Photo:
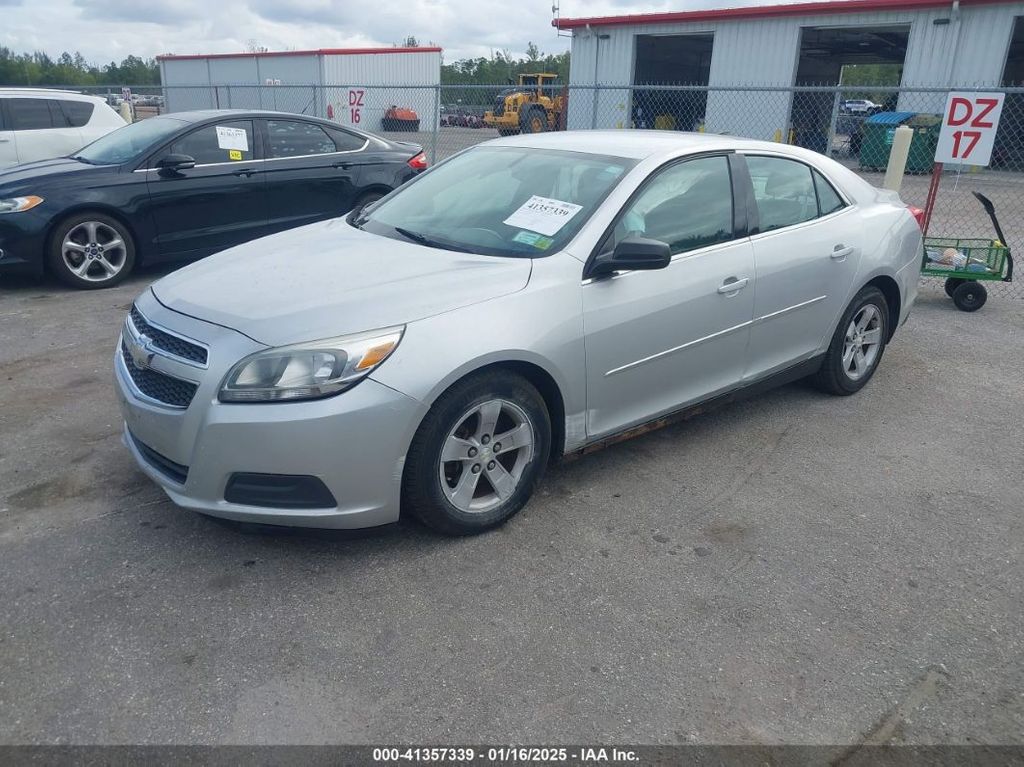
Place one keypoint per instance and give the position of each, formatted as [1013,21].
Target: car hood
[42,170]
[331,279]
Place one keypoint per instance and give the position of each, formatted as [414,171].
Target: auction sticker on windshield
[232,138]
[543,215]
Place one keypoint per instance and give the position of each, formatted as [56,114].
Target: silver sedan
[528,298]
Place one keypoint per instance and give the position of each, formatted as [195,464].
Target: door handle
[733,285]
[342,165]
[841,251]
[244,172]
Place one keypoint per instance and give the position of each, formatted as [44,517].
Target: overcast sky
[105,30]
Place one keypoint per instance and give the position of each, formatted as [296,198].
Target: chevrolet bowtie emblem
[141,351]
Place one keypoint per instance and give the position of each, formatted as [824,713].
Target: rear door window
[230,141]
[784,191]
[30,114]
[76,114]
[291,138]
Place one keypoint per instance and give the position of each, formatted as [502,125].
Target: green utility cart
[966,262]
[879,130]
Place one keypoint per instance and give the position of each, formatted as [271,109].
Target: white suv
[37,124]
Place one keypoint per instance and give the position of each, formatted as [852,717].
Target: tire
[842,371]
[457,497]
[970,296]
[82,251]
[951,284]
[367,199]
[533,120]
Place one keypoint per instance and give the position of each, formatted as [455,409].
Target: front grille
[173,471]
[156,385]
[179,347]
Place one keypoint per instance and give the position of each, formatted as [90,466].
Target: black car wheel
[857,344]
[90,251]
[478,455]
[365,201]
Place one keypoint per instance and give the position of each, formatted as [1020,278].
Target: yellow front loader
[530,107]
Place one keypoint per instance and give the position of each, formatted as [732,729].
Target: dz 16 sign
[969,127]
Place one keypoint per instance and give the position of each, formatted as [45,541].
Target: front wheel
[970,296]
[857,345]
[478,455]
[90,251]
[365,201]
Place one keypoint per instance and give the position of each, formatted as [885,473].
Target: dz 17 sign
[969,127]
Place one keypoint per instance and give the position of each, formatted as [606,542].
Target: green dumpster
[878,133]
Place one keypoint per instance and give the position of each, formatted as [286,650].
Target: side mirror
[172,163]
[633,254]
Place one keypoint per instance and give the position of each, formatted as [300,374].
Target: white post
[898,158]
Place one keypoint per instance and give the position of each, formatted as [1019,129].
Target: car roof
[43,92]
[635,144]
[198,115]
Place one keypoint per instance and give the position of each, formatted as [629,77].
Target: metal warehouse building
[938,44]
[346,84]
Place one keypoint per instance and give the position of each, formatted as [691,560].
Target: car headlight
[309,370]
[19,204]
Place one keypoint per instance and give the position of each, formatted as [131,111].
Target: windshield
[129,142]
[501,201]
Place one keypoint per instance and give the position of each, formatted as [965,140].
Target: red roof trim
[318,52]
[766,11]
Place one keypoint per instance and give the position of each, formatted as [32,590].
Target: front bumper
[355,442]
[23,242]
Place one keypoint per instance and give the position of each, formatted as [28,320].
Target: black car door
[312,174]
[220,202]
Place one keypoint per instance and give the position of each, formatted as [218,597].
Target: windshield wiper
[81,159]
[422,239]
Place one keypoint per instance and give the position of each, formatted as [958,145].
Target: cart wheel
[970,296]
[952,283]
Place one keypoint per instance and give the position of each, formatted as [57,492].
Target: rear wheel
[952,283]
[478,455]
[365,201]
[857,344]
[90,251]
[970,296]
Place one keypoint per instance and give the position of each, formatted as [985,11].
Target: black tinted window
[829,200]
[75,113]
[297,139]
[29,114]
[223,142]
[345,141]
[784,192]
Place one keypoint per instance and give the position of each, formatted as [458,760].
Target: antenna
[557,13]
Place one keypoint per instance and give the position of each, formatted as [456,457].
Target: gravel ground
[792,569]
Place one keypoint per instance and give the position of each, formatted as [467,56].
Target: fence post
[435,124]
[832,124]
[593,114]
[230,106]
[316,101]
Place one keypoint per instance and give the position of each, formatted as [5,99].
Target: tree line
[40,69]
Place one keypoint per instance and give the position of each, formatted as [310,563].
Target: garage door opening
[1008,150]
[830,56]
[671,60]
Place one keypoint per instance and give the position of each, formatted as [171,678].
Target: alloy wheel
[94,251]
[863,342]
[484,456]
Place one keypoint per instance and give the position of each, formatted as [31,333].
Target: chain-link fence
[855,126]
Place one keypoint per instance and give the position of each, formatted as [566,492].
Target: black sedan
[182,186]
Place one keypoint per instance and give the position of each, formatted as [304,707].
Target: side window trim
[610,229]
[847,202]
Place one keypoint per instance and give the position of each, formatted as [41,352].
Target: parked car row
[461,117]
[182,186]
